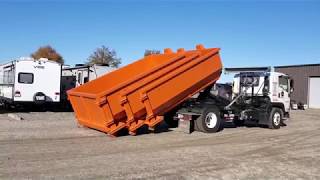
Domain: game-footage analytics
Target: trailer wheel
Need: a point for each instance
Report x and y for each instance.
(275, 118)
(209, 121)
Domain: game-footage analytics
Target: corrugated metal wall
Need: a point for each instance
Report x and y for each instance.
(300, 75)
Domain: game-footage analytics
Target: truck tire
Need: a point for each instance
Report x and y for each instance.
(275, 118)
(209, 121)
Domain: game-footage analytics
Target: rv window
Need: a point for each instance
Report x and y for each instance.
(7, 77)
(26, 78)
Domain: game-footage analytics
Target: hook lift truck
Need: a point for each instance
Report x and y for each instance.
(258, 96)
(161, 86)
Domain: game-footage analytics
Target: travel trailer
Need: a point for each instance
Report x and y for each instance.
(29, 81)
(79, 74)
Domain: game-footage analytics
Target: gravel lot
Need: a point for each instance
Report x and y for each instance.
(48, 145)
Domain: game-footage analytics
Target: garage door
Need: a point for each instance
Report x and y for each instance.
(314, 92)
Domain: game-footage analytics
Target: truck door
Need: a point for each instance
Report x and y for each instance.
(284, 91)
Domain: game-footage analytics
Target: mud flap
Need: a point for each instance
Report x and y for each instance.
(186, 126)
(263, 118)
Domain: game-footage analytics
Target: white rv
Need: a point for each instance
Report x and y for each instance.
(25, 81)
(80, 74)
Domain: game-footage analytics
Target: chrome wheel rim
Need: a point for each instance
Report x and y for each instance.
(276, 119)
(211, 120)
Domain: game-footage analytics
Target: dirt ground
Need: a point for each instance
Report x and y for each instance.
(48, 145)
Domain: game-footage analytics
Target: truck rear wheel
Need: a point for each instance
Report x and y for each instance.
(275, 118)
(209, 121)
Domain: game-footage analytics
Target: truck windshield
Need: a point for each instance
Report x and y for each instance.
(249, 79)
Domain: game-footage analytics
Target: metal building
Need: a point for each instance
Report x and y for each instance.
(306, 83)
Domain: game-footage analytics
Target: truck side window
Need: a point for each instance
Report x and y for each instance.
(266, 85)
(283, 83)
(25, 78)
(4, 78)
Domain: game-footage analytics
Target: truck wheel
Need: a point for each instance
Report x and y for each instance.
(275, 118)
(209, 121)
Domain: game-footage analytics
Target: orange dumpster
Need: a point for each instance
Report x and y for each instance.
(142, 92)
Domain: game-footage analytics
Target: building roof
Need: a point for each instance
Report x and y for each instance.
(247, 69)
(299, 65)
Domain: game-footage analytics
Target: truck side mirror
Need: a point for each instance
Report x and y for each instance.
(265, 89)
(291, 90)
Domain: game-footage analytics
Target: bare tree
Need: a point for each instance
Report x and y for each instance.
(49, 53)
(104, 55)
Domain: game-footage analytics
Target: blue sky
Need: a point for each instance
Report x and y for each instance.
(250, 33)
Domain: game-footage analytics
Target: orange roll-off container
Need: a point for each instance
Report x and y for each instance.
(142, 92)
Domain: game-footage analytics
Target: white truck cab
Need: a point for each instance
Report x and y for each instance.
(258, 96)
(277, 86)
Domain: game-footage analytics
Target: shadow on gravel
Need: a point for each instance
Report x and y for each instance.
(164, 127)
(35, 108)
(247, 125)
(161, 128)
(229, 125)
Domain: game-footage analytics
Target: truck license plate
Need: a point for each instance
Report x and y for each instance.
(40, 98)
